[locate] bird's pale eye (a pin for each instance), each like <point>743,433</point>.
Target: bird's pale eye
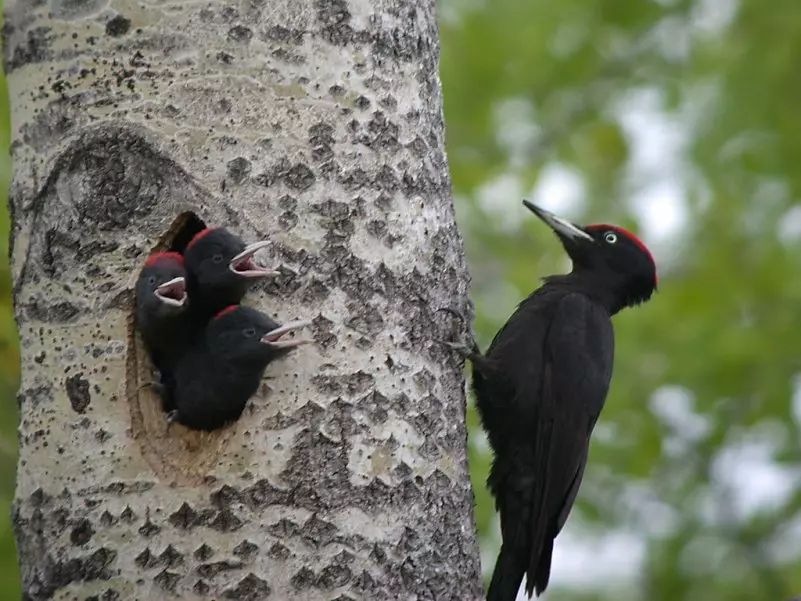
<point>151,281</point>
<point>216,258</point>
<point>249,332</point>
<point>610,237</point>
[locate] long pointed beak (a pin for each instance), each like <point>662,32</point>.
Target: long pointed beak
<point>244,265</point>
<point>173,293</point>
<point>557,224</point>
<point>273,336</point>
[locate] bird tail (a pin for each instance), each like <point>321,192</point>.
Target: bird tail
<point>510,569</point>
<point>543,572</point>
<point>508,574</point>
<point>513,497</point>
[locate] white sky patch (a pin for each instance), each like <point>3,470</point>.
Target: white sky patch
<point>479,441</point>
<point>789,226</point>
<point>651,515</point>
<point>661,211</point>
<point>656,173</point>
<point>588,561</point>
<point>657,138</point>
<point>576,562</point>
<point>568,38</point>
<point>499,301</point>
<point>502,197</point>
<point>714,16</point>
<point>560,189</point>
<point>796,400</point>
<point>606,432</point>
<point>673,37</point>
<point>768,196</point>
<point>749,481</point>
<point>674,406</point>
<point>786,544</point>
<point>703,555</point>
<point>515,129</point>
<point>452,11</point>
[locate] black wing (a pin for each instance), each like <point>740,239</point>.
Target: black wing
<point>513,364</point>
<point>577,368</point>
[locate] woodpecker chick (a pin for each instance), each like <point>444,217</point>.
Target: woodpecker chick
<point>217,376</point>
<point>540,388</point>
<point>161,313</point>
<point>221,268</point>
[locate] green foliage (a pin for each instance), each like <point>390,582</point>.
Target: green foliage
<point>724,327</point>
<point>9,372</point>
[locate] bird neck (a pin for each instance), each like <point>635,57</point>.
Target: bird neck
<point>211,297</point>
<point>239,364</point>
<point>598,287</point>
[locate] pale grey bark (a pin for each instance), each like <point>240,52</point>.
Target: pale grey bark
<point>318,123</point>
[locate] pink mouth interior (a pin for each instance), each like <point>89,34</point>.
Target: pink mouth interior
<point>247,264</point>
<point>174,292</point>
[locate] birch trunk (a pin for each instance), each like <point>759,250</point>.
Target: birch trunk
<point>317,123</point>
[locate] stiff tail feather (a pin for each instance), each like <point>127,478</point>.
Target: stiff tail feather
<point>543,572</point>
<point>507,576</point>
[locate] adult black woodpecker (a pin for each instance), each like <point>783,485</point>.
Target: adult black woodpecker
<point>217,376</point>
<point>161,314</point>
<point>540,388</point>
<point>220,269</point>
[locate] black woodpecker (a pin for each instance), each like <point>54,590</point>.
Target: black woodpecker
<point>541,386</point>
<point>222,370</point>
<point>162,314</point>
<point>220,270</point>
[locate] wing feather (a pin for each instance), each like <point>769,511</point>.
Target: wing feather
<point>578,356</point>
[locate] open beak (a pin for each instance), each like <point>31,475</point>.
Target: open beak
<point>173,293</point>
<point>273,337</point>
<point>557,224</point>
<point>244,265</point>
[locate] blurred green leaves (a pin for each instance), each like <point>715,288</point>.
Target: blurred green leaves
<point>9,371</point>
<point>725,327</point>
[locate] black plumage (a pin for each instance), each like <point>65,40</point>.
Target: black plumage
<point>162,315</point>
<point>222,370</point>
<point>220,270</point>
<point>541,386</point>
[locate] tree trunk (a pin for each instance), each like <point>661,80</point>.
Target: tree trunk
<point>318,124</point>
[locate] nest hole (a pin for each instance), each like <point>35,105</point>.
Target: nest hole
<point>178,454</point>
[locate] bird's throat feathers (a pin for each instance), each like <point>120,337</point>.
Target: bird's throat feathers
<point>614,296</point>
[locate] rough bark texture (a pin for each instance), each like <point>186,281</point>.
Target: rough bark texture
<point>318,123</point>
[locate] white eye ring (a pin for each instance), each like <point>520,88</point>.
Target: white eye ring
<point>610,237</point>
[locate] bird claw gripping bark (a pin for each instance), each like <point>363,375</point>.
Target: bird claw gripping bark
<point>157,386</point>
<point>465,345</point>
<point>172,417</point>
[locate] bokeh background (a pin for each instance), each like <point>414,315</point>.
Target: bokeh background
<point>681,120</point>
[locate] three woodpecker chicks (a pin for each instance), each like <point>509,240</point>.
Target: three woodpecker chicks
<point>210,350</point>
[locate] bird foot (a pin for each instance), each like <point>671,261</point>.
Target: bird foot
<point>464,344</point>
<point>465,349</point>
<point>155,385</point>
<point>172,417</point>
